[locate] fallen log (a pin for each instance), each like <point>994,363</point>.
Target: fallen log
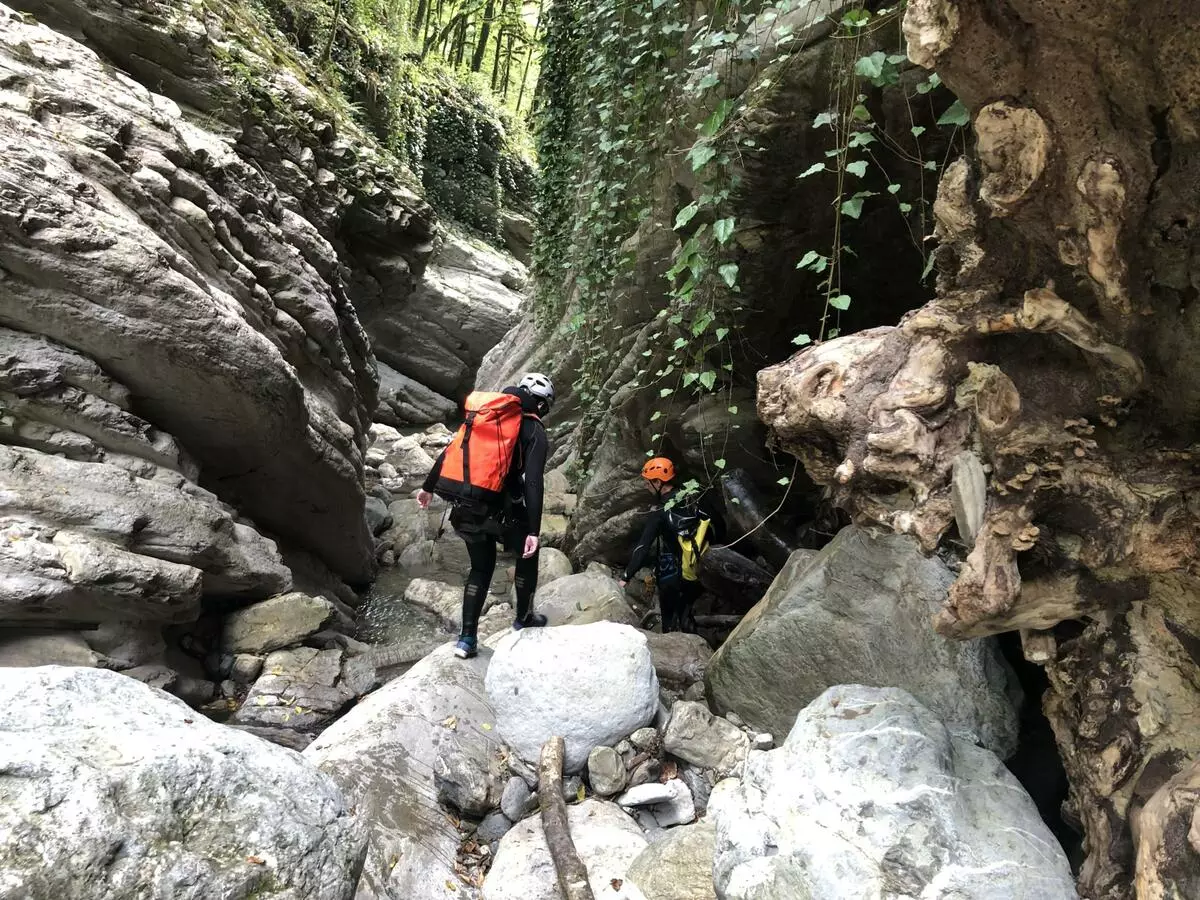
<point>572,874</point>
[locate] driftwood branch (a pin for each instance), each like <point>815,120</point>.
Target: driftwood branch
<point>572,874</point>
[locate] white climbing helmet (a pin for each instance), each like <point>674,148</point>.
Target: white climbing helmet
<point>539,386</point>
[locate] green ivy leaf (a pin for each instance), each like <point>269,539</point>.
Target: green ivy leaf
<point>732,410</point>
<point>808,259</point>
<point>689,379</point>
<point>871,66</point>
<point>856,18</point>
<point>812,170</point>
<point>701,324</point>
<point>825,118</point>
<point>700,155</point>
<point>906,208</point>
<point>858,167</point>
<point>708,379</point>
<point>893,188</point>
<point>657,415</point>
<point>719,463</point>
<point>841,301</point>
<point>714,122</point>
<point>729,273</point>
<point>957,114</point>
<point>721,332</point>
<point>860,113</point>
<point>686,214</point>
<point>801,339</point>
<point>861,139</point>
<point>852,207</point>
<point>917,130</point>
<point>666,392</point>
<point>679,344</point>
<point>712,79</point>
<point>723,229</point>
<point>784,481</point>
<point>929,84</point>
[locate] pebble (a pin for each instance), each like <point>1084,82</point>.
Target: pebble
<point>645,738</point>
<point>517,801</point>
<point>493,827</point>
<point>762,741</point>
<point>735,719</point>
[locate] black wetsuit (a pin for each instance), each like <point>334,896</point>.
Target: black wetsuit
<point>519,517</point>
<point>676,595</point>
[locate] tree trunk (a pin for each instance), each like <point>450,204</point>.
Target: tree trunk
<point>485,30</point>
<point>499,37</point>
<point>460,42</point>
<point>508,54</point>
<point>333,27</point>
<point>572,874</point>
<point>418,22</point>
<point>1016,408</point>
<point>537,27</point>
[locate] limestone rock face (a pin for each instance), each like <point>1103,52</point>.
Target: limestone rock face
<point>275,623</point>
<point>870,795</point>
<point>110,789</point>
<point>859,612</point>
<point>239,343</point>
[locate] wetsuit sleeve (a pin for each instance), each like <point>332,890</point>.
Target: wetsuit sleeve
<point>642,550</point>
<point>432,478</point>
<point>536,447</point>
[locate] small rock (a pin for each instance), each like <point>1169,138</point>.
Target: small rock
<point>645,739</point>
<point>645,795</point>
<point>699,784</point>
<point>493,827</point>
<point>571,788</point>
<point>606,771</point>
<point>281,621</point>
<point>246,668</point>
<point>695,692</point>
<point>519,767</point>
<point>387,470</point>
<point>192,691</point>
<point>696,736</point>
<point>378,517</point>
<point>762,741</point>
<point>735,719</point>
<point>623,747</point>
<point>228,689</point>
<point>387,558</point>
<point>517,800</point>
<point>671,803</point>
<point>648,771</point>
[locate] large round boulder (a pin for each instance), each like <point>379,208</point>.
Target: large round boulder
<point>592,684</point>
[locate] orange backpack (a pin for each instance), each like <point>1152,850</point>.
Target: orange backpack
<point>477,461</point>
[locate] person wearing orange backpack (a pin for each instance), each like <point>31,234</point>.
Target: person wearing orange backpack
<point>677,533</point>
<point>492,475</point>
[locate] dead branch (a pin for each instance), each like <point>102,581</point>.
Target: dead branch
<point>572,874</point>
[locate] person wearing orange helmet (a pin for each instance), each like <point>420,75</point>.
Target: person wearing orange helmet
<point>665,535</point>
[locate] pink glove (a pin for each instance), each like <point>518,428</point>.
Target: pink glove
<point>423,498</point>
<point>531,546</point>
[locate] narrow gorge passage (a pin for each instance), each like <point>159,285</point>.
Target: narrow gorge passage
<point>878,314</point>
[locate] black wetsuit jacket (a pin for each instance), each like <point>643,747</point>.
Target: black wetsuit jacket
<point>658,527</point>
<point>525,482</point>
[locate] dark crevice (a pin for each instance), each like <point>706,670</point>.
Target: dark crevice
<point>1160,150</point>
<point>1037,763</point>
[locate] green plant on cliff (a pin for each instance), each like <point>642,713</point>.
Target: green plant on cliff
<point>863,146</point>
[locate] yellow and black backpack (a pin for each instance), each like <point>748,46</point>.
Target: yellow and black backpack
<point>691,527</point>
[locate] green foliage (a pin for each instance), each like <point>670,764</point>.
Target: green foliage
<point>470,152</point>
<point>859,148</point>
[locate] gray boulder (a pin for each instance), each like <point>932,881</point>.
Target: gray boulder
<point>582,599</point>
<point>678,866</point>
<point>379,519</point>
<point>679,659</point>
<point>871,796</point>
<point>860,611</point>
<point>382,753</point>
<point>278,622</point>
<point>61,648</point>
<point>669,803</point>
<point>302,689</point>
<point>591,684</point>
<point>606,839</point>
<point>696,736</point>
<point>110,789</point>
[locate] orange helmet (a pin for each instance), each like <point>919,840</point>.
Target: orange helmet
<point>659,468</point>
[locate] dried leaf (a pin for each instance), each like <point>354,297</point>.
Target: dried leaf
<point>485,726</point>
<point>669,771</point>
<point>256,860</point>
<point>451,722</point>
<point>616,884</point>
